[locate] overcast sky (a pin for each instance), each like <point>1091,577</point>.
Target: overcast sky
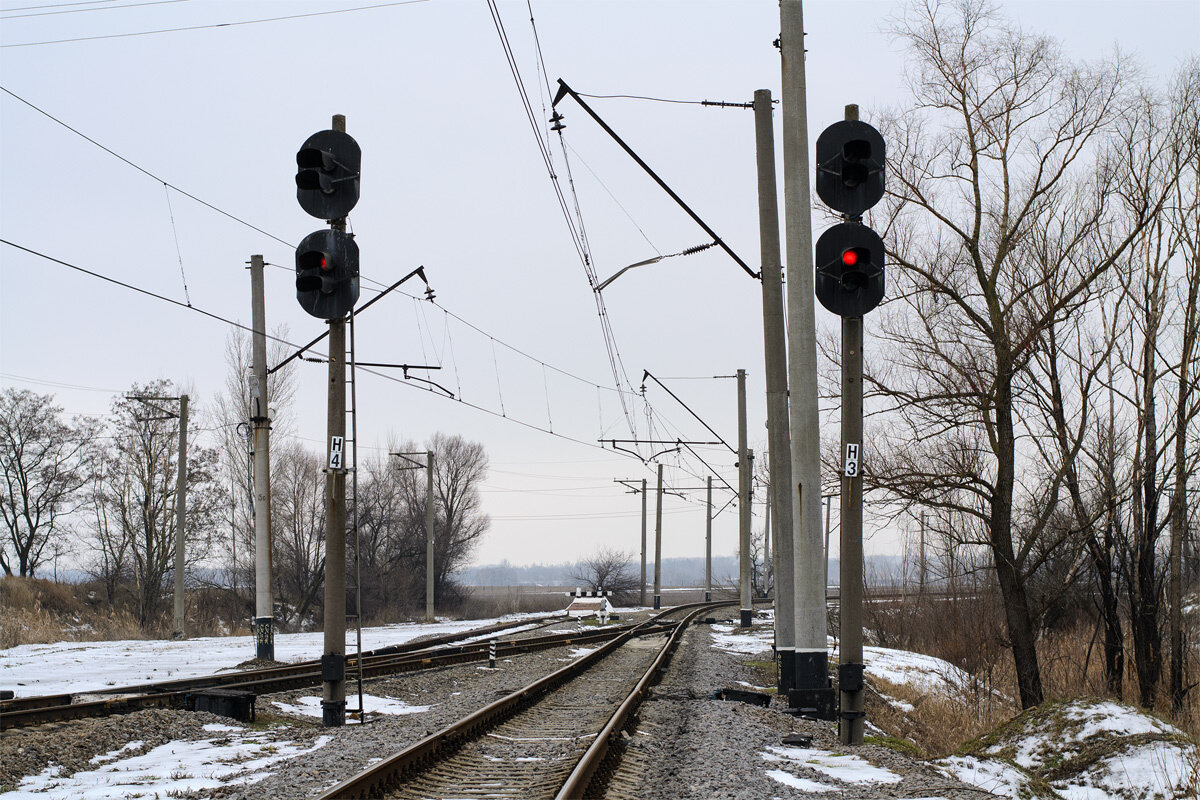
<point>452,179</point>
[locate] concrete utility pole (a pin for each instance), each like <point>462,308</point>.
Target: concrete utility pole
<point>778,425</point>
<point>708,546</point>
<point>767,546</point>
<point>181,520</point>
<point>812,691</point>
<point>429,518</point>
<point>744,519</point>
<point>743,505</point>
<point>333,661</point>
<point>260,418</point>
<point>658,544</point>
<point>642,585</point>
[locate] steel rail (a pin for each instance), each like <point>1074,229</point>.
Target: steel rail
<point>377,778</point>
<point>299,668</point>
<point>581,777</point>
<point>173,693</point>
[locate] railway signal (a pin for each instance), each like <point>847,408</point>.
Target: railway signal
<point>327,174</point>
<point>327,187</point>
<point>849,269</point>
<point>850,162</point>
<point>849,281</point>
<point>327,273</point>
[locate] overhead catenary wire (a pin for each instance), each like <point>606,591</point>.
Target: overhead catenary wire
<point>247,328</point>
<point>622,392</point>
<point>129,162</point>
<point>213,25</point>
<point>178,250</point>
<point>143,170</point>
<point>58,5</point>
<point>83,10</point>
<point>574,223</point>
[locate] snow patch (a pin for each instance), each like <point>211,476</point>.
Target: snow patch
<point>311,706</point>
<point>172,768</point>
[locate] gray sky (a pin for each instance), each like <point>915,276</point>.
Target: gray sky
<point>453,180</point>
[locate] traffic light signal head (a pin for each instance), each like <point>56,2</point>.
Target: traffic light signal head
<point>327,274</point>
<point>327,174</point>
<point>849,269</point>
<point>850,162</point>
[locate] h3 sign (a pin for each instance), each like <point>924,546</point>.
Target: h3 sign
<point>853,460</point>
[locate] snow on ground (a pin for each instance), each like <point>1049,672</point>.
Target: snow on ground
<point>72,667</point>
<point>747,641</point>
<point>235,756</point>
<point>842,768</point>
<point>1083,750</point>
<point>311,706</point>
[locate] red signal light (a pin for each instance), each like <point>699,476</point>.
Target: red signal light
<point>850,258</point>
<point>323,263</point>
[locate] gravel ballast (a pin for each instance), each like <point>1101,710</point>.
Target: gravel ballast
<point>686,744</point>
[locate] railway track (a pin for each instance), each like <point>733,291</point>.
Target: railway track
<point>550,739</point>
<point>432,653</point>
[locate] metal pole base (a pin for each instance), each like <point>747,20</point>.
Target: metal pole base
<point>264,638</point>
<point>747,615</point>
<point>813,694</point>
<point>787,671</point>
<point>333,713</point>
<point>657,602</point>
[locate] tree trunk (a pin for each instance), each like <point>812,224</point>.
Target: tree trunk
<point>1012,585</point>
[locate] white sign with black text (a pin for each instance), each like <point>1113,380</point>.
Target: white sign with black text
<point>852,459</point>
<point>337,446</point>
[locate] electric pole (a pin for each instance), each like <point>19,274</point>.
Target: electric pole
<point>743,505</point>
<point>658,543</point>
<point>708,546</point>
<point>811,692</point>
<point>181,520</point>
<point>642,584</point>
<point>778,424</point>
<point>767,546</point>
<point>260,418</point>
<point>429,518</point>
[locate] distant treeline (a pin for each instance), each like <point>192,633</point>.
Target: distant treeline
<point>675,572</point>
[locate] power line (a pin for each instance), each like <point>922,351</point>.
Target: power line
<point>215,25</point>
<point>82,10</point>
<point>142,169</point>
<point>57,5</point>
<point>140,290</point>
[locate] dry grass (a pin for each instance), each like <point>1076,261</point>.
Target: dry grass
<point>969,633</point>
<point>937,724</point>
<point>37,611</point>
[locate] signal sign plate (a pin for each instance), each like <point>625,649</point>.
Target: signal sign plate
<point>852,460</point>
<point>337,452</point>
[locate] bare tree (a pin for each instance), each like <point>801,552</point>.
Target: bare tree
<point>232,428</point>
<point>608,569</point>
<point>299,532</point>
<point>459,468</point>
<point>42,466</point>
<point>1005,138</point>
<point>136,493</point>
<point>1185,221</point>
